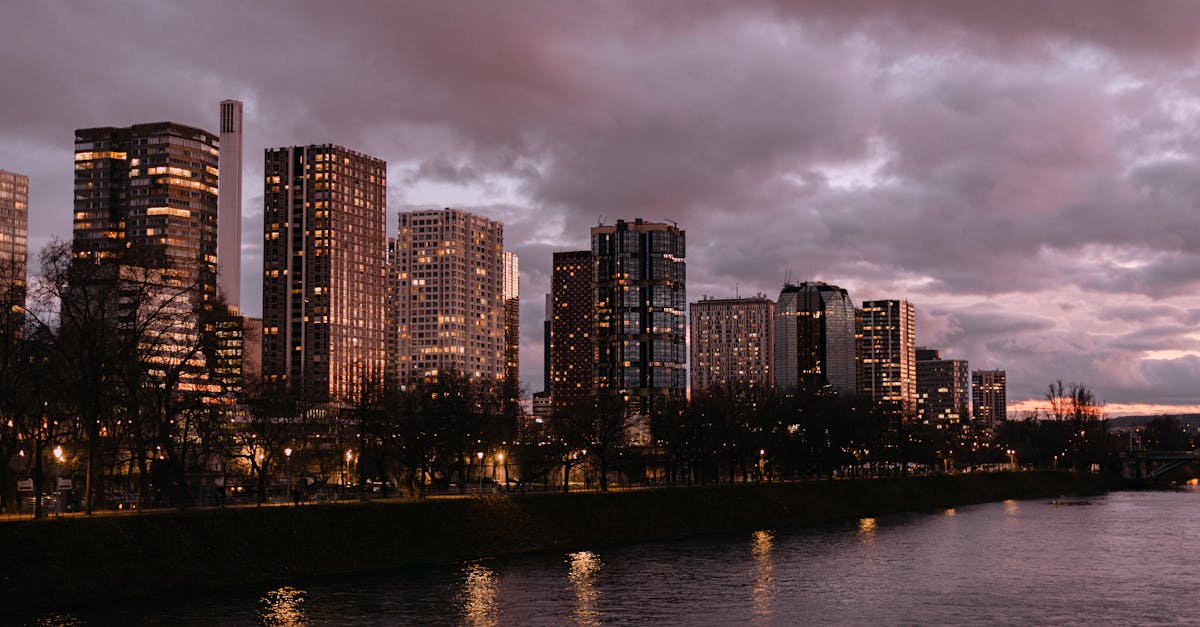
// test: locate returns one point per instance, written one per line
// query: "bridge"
(1145, 465)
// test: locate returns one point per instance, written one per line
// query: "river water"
(1125, 558)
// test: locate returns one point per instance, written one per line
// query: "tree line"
(116, 371)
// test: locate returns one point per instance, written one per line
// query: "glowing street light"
(287, 452)
(479, 455)
(58, 457)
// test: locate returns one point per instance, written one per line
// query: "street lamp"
(479, 455)
(500, 460)
(287, 452)
(58, 457)
(346, 475)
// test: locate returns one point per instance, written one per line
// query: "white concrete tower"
(229, 205)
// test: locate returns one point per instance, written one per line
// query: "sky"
(1026, 173)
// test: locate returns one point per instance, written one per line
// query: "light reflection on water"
(1126, 559)
(866, 530)
(283, 607)
(763, 589)
(478, 596)
(585, 566)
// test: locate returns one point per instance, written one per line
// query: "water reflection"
(763, 589)
(866, 530)
(1011, 507)
(585, 566)
(59, 620)
(950, 511)
(283, 607)
(479, 595)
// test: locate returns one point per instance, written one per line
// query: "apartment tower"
(943, 388)
(14, 236)
(146, 195)
(989, 394)
(450, 305)
(324, 283)
(887, 354)
(732, 342)
(512, 319)
(572, 330)
(640, 303)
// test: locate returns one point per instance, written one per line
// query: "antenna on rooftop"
(673, 223)
(600, 220)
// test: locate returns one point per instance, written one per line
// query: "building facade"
(229, 206)
(989, 395)
(324, 283)
(14, 238)
(546, 345)
(814, 339)
(512, 319)
(450, 305)
(732, 342)
(146, 195)
(572, 338)
(887, 354)
(640, 304)
(146, 218)
(943, 388)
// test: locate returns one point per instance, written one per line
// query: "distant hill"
(1137, 421)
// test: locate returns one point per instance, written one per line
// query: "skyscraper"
(14, 235)
(146, 217)
(146, 195)
(572, 330)
(512, 319)
(640, 302)
(546, 345)
(450, 307)
(732, 342)
(229, 205)
(989, 395)
(814, 338)
(887, 354)
(943, 387)
(324, 249)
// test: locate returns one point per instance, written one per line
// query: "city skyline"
(1070, 258)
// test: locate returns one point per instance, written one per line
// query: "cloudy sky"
(1025, 172)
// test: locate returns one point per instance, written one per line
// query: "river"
(1124, 558)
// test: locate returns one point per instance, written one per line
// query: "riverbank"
(59, 563)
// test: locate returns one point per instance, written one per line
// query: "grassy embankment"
(84, 560)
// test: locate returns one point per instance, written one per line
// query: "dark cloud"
(1025, 172)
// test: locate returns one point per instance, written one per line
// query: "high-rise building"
(887, 354)
(732, 342)
(943, 388)
(450, 309)
(393, 292)
(146, 216)
(512, 319)
(572, 330)
(546, 345)
(989, 395)
(14, 236)
(814, 339)
(324, 283)
(640, 302)
(146, 195)
(229, 205)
